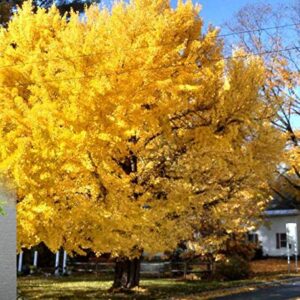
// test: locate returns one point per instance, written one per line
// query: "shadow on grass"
(93, 287)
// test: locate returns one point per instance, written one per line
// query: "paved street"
(289, 290)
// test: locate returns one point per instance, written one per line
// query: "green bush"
(233, 268)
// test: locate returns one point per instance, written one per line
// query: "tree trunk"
(127, 274)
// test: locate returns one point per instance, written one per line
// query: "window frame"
(281, 240)
(253, 238)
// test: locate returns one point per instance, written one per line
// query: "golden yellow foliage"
(129, 130)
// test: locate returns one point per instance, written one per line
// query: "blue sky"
(217, 12)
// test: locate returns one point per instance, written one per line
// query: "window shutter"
(277, 241)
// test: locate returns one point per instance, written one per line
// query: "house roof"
(283, 205)
(283, 202)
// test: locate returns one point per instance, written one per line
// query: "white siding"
(267, 234)
(8, 248)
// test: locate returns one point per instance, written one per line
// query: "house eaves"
(281, 212)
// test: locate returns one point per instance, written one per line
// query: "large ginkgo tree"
(128, 131)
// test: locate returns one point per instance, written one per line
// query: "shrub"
(258, 253)
(233, 268)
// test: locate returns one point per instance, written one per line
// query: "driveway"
(290, 290)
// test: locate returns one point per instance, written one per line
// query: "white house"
(8, 246)
(272, 236)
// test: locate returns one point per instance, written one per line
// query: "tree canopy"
(130, 130)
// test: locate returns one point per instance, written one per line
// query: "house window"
(281, 240)
(253, 238)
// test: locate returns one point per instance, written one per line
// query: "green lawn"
(95, 287)
(92, 287)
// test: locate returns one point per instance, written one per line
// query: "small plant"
(2, 211)
(32, 269)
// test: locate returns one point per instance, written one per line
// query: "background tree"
(137, 139)
(273, 33)
(6, 10)
(65, 6)
(7, 7)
